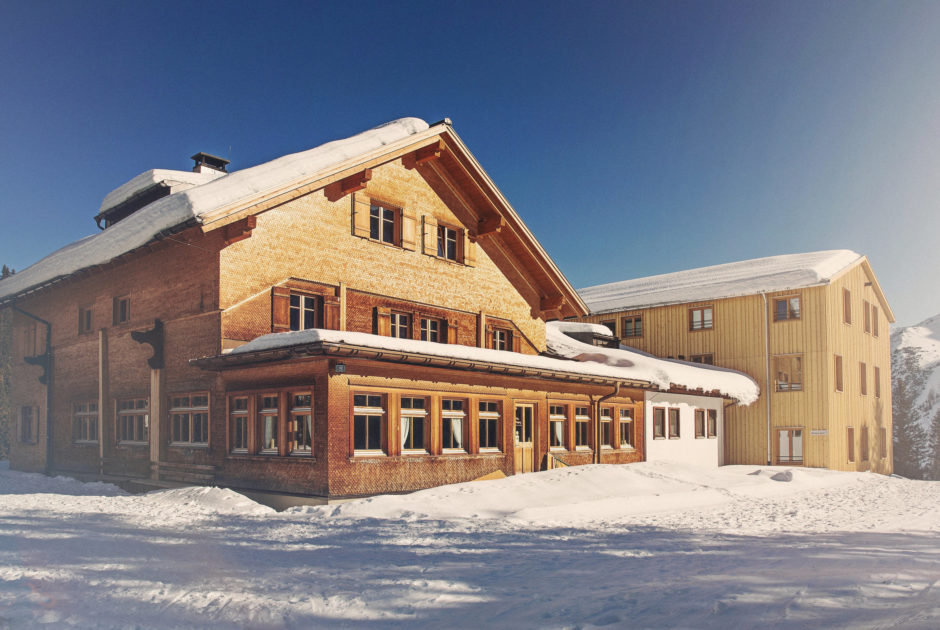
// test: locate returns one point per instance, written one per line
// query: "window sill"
(243, 456)
(659, 437)
(453, 451)
(675, 437)
(627, 447)
(557, 449)
(489, 450)
(306, 454)
(200, 445)
(133, 444)
(84, 443)
(583, 449)
(413, 452)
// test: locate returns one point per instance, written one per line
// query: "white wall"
(687, 448)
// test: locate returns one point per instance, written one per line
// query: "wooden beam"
(552, 303)
(240, 230)
(424, 154)
(491, 225)
(347, 185)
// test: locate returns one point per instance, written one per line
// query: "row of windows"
(617, 427)
(863, 445)
(862, 377)
(870, 317)
(120, 313)
(188, 413)
(386, 226)
(706, 423)
(272, 423)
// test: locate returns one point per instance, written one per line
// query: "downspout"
(597, 421)
(47, 366)
(767, 387)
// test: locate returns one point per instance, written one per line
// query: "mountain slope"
(922, 344)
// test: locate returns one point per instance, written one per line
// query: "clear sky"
(634, 138)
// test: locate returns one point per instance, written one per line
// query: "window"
(700, 318)
(866, 315)
(863, 444)
(267, 423)
(85, 320)
(122, 310)
(557, 417)
(874, 320)
(850, 443)
(659, 423)
(838, 373)
(489, 425)
(846, 306)
(368, 417)
(447, 240)
(626, 428)
(400, 325)
(133, 420)
(877, 378)
(29, 425)
(582, 420)
(383, 222)
(303, 311)
(789, 372)
(786, 308)
(673, 423)
(238, 411)
(863, 379)
(502, 339)
(85, 422)
(607, 427)
(883, 439)
(707, 359)
(699, 423)
(712, 423)
(189, 415)
(413, 424)
(431, 329)
(300, 425)
(631, 326)
(611, 326)
(524, 430)
(789, 446)
(452, 424)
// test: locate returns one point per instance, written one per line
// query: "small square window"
(502, 339)
(400, 325)
(789, 373)
(431, 329)
(631, 326)
(701, 318)
(786, 308)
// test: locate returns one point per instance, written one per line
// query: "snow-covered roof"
(746, 277)
(148, 179)
(195, 203)
(575, 358)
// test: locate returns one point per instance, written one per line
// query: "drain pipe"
(597, 421)
(45, 361)
(767, 387)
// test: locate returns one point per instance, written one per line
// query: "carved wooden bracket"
(240, 230)
(491, 225)
(350, 184)
(424, 154)
(154, 338)
(552, 303)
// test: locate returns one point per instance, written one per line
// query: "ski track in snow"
(644, 545)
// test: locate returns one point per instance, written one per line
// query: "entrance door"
(789, 447)
(525, 453)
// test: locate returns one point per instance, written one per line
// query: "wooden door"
(525, 451)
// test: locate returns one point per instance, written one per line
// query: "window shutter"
(516, 342)
(488, 336)
(430, 235)
(331, 312)
(409, 229)
(383, 321)
(360, 214)
(469, 250)
(451, 331)
(280, 309)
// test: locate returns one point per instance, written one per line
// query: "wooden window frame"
(29, 424)
(674, 414)
(444, 232)
(86, 319)
(448, 416)
(863, 444)
(426, 332)
(866, 315)
(634, 330)
(792, 459)
(301, 308)
(789, 314)
(789, 385)
(702, 321)
(400, 322)
(626, 428)
(501, 339)
(140, 429)
(700, 421)
(378, 218)
(490, 416)
(850, 443)
(659, 423)
(607, 427)
(413, 413)
(557, 413)
(85, 422)
(837, 370)
(369, 412)
(121, 310)
(712, 424)
(705, 359)
(582, 428)
(239, 422)
(874, 320)
(260, 419)
(883, 442)
(295, 413)
(183, 410)
(862, 378)
(846, 306)
(876, 376)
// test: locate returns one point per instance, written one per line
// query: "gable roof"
(228, 197)
(737, 279)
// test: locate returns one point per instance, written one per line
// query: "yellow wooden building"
(812, 329)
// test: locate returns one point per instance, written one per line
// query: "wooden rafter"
(347, 185)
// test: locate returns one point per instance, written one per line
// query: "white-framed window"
(701, 318)
(368, 423)
(133, 420)
(303, 311)
(557, 419)
(502, 339)
(268, 413)
(189, 418)
(607, 427)
(582, 423)
(489, 420)
(238, 412)
(626, 428)
(430, 329)
(85, 422)
(300, 424)
(400, 325)
(413, 418)
(453, 421)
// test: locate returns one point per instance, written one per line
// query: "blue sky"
(633, 138)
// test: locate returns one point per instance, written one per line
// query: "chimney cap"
(210, 161)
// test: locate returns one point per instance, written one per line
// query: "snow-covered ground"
(646, 545)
